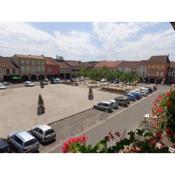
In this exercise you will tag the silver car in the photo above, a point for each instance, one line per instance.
(23, 142)
(2, 86)
(29, 84)
(104, 106)
(114, 104)
(44, 133)
(122, 100)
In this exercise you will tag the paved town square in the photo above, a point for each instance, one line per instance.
(19, 109)
(101, 98)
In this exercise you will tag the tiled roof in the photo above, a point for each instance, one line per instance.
(73, 62)
(172, 65)
(143, 62)
(159, 59)
(87, 64)
(6, 63)
(50, 61)
(29, 56)
(109, 64)
(63, 65)
(132, 64)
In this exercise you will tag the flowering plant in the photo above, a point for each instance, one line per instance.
(139, 141)
(164, 109)
(74, 144)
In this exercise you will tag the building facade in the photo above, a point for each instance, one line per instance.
(52, 69)
(171, 73)
(128, 66)
(108, 64)
(157, 69)
(65, 70)
(7, 69)
(30, 67)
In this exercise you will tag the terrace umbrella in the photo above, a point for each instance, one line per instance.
(16, 78)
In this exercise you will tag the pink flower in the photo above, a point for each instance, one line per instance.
(158, 135)
(168, 93)
(169, 133)
(67, 145)
(159, 109)
(169, 103)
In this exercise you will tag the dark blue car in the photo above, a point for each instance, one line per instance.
(137, 95)
(131, 97)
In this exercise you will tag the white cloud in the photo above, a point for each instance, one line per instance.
(21, 38)
(126, 40)
(115, 41)
(77, 44)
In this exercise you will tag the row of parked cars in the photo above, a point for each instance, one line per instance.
(27, 141)
(124, 100)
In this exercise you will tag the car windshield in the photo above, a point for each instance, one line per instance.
(30, 142)
(50, 131)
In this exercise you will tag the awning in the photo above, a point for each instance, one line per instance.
(16, 78)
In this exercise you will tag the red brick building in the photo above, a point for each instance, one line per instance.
(171, 73)
(7, 69)
(52, 68)
(128, 66)
(108, 64)
(157, 68)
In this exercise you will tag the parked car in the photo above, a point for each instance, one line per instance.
(104, 106)
(45, 82)
(44, 133)
(114, 104)
(131, 97)
(5, 83)
(137, 95)
(144, 91)
(56, 81)
(4, 146)
(115, 81)
(139, 92)
(103, 80)
(2, 87)
(29, 84)
(122, 100)
(46, 79)
(23, 141)
(149, 89)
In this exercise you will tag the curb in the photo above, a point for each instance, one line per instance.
(70, 116)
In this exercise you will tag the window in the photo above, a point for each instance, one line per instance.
(36, 129)
(22, 61)
(157, 66)
(40, 131)
(30, 142)
(161, 74)
(33, 69)
(7, 71)
(18, 140)
(22, 68)
(42, 69)
(28, 69)
(50, 131)
(49, 70)
(162, 66)
(38, 69)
